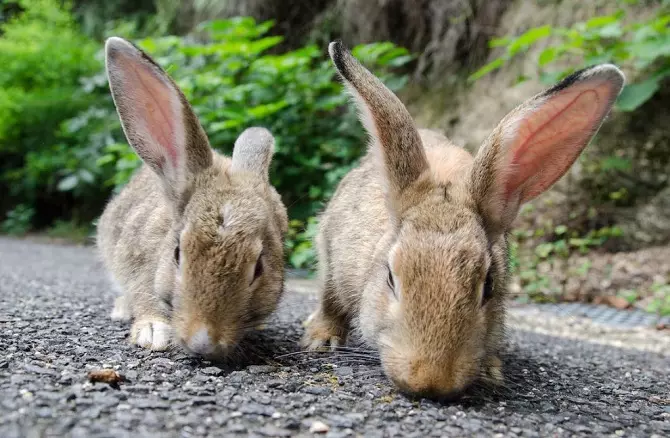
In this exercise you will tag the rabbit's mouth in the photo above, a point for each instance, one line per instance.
(201, 344)
(437, 396)
(214, 353)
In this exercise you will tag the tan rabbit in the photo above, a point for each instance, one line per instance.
(195, 240)
(412, 247)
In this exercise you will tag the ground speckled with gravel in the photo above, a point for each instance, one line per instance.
(54, 329)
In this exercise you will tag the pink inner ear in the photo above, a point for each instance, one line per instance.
(151, 109)
(550, 137)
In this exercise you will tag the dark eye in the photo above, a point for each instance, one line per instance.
(390, 281)
(258, 270)
(487, 293)
(176, 254)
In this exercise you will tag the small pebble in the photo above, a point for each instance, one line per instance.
(319, 427)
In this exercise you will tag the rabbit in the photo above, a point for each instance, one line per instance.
(195, 240)
(412, 247)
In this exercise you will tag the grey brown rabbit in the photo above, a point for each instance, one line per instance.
(195, 240)
(412, 247)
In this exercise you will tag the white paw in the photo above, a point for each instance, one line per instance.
(153, 334)
(120, 312)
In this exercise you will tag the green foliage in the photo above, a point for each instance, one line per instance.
(232, 85)
(43, 58)
(660, 303)
(79, 155)
(300, 243)
(643, 47)
(97, 17)
(18, 220)
(557, 243)
(70, 231)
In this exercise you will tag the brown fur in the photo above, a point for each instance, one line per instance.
(221, 213)
(436, 217)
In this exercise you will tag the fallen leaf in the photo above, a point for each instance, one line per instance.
(111, 377)
(617, 302)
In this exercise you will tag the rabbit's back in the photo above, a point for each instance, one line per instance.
(133, 227)
(350, 228)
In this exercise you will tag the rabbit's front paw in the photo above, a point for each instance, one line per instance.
(120, 311)
(322, 332)
(154, 334)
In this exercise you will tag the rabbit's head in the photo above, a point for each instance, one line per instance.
(222, 268)
(434, 302)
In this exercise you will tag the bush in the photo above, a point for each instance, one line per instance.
(629, 169)
(43, 58)
(614, 176)
(232, 84)
(643, 47)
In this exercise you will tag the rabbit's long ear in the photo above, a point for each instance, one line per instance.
(253, 151)
(156, 118)
(535, 144)
(395, 138)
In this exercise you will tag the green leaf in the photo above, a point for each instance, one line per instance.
(561, 229)
(85, 176)
(611, 31)
(634, 95)
(105, 159)
(400, 61)
(499, 42)
(529, 37)
(226, 125)
(651, 50)
(547, 55)
(601, 21)
(262, 111)
(68, 183)
(521, 79)
(488, 68)
(615, 163)
(543, 250)
(550, 78)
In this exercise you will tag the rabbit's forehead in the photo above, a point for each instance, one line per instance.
(228, 209)
(440, 254)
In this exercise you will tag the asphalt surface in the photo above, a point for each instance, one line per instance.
(54, 329)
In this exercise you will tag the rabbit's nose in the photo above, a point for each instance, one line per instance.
(201, 343)
(426, 380)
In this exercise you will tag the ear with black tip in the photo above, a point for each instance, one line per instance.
(536, 144)
(389, 124)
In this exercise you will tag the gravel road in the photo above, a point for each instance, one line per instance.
(567, 378)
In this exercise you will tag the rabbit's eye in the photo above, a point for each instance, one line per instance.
(487, 292)
(258, 270)
(176, 254)
(390, 281)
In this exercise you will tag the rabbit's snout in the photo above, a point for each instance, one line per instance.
(421, 377)
(203, 342)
